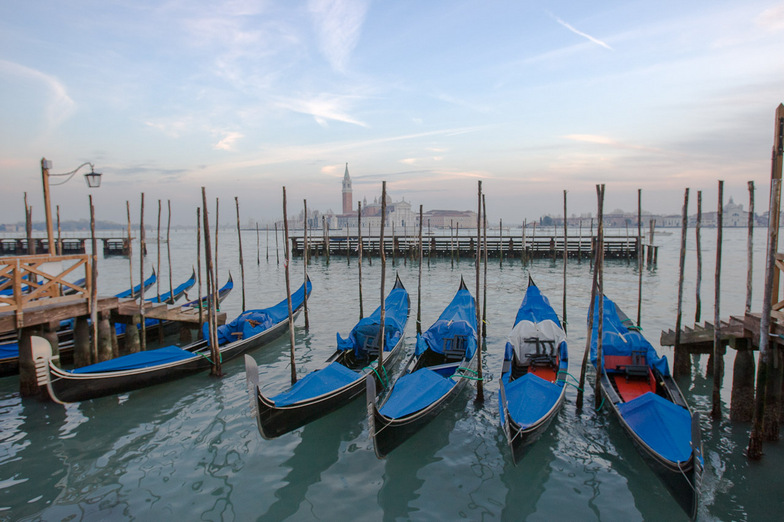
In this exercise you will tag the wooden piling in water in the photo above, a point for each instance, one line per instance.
(681, 362)
(217, 369)
(198, 271)
(750, 247)
(742, 398)
(639, 256)
(565, 253)
(94, 285)
(158, 249)
(382, 317)
(600, 295)
(480, 394)
(698, 247)
(277, 251)
(419, 281)
(168, 253)
(718, 360)
(484, 249)
(142, 250)
(359, 255)
(306, 260)
(286, 264)
(242, 264)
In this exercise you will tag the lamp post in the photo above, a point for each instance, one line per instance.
(92, 178)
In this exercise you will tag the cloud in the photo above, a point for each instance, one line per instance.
(580, 33)
(604, 140)
(60, 106)
(338, 27)
(322, 108)
(772, 19)
(227, 143)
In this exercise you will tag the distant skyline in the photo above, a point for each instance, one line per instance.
(244, 97)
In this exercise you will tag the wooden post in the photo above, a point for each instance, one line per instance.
(750, 247)
(158, 249)
(565, 253)
(523, 252)
(288, 290)
(359, 255)
(59, 234)
(457, 241)
(130, 243)
(698, 247)
(394, 245)
(480, 394)
(600, 295)
(258, 245)
(382, 318)
(214, 278)
(451, 243)
(326, 240)
(742, 398)
(94, 282)
(754, 450)
(718, 361)
(242, 265)
(29, 228)
(419, 281)
(198, 268)
(306, 260)
(168, 252)
(142, 250)
(277, 252)
(484, 248)
(681, 363)
(500, 243)
(82, 342)
(217, 369)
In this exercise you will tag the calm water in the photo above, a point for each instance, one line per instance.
(189, 449)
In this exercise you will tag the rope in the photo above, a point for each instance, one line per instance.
(464, 376)
(685, 477)
(384, 380)
(601, 404)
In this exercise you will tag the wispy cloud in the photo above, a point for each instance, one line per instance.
(772, 19)
(580, 33)
(338, 27)
(60, 105)
(227, 143)
(322, 108)
(604, 140)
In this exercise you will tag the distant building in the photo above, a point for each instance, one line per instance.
(348, 200)
(447, 218)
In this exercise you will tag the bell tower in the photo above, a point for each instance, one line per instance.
(347, 193)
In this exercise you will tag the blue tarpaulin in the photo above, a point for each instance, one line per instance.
(254, 322)
(664, 426)
(458, 319)
(136, 290)
(9, 350)
(322, 381)
(536, 307)
(138, 360)
(415, 391)
(395, 317)
(617, 339)
(530, 397)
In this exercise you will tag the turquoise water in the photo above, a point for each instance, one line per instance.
(189, 449)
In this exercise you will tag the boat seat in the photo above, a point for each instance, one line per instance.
(638, 366)
(370, 347)
(455, 347)
(544, 353)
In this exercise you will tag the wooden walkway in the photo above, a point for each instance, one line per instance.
(463, 246)
(699, 338)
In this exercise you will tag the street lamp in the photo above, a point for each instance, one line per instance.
(93, 180)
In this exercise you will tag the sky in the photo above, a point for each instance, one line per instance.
(245, 97)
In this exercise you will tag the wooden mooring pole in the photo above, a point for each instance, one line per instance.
(599, 267)
(359, 255)
(217, 369)
(305, 261)
(718, 359)
(480, 393)
(698, 247)
(484, 249)
(681, 364)
(750, 247)
(142, 250)
(419, 280)
(286, 264)
(382, 317)
(565, 253)
(639, 256)
(239, 240)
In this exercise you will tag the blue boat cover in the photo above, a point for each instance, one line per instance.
(536, 307)
(415, 391)
(176, 292)
(137, 289)
(395, 318)
(134, 361)
(617, 339)
(458, 319)
(224, 290)
(664, 426)
(9, 350)
(317, 383)
(254, 322)
(529, 398)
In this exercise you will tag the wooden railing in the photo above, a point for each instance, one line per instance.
(27, 280)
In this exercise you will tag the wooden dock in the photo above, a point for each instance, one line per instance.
(542, 247)
(18, 246)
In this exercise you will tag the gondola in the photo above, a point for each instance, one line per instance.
(342, 376)
(532, 383)
(249, 330)
(9, 344)
(136, 291)
(637, 386)
(442, 363)
(169, 297)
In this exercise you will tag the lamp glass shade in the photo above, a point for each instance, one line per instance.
(93, 179)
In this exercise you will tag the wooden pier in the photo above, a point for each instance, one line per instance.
(18, 246)
(32, 302)
(539, 247)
